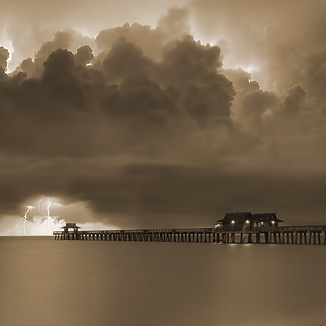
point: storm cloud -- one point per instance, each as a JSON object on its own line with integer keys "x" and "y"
{"x": 154, "y": 128}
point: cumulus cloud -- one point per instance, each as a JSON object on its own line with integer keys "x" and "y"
{"x": 121, "y": 102}
{"x": 4, "y": 56}
{"x": 152, "y": 127}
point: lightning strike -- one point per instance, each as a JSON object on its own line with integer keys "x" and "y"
{"x": 24, "y": 218}
{"x": 38, "y": 204}
{"x": 29, "y": 209}
{"x": 47, "y": 218}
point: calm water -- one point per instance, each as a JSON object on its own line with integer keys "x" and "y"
{"x": 45, "y": 282}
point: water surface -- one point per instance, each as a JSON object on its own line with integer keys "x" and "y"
{"x": 45, "y": 282}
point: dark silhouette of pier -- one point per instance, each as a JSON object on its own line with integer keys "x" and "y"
{"x": 233, "y": 234}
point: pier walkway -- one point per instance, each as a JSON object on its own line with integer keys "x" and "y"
{"x": 280, "y": 234}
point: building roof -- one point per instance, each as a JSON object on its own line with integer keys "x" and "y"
{"x": 237, "y": 217}
{"x": 265, "y": 216}
{"x": 70, "y": 225}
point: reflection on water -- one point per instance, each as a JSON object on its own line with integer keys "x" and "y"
{"x": 45, "y": 282}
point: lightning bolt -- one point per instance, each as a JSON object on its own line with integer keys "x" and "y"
{"x": 37, "y": 205}
{"x": 48, "y": 216}
{"x": 24, "y": 218}
{"x": 29, "y": 209}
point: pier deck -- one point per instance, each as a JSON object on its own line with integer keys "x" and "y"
{"x": 280, "y": 234}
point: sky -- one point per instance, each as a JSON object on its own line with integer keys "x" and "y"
{"x": 151, "y": 114}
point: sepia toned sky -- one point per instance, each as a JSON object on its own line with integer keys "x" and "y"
{"x": 162, "y": 114}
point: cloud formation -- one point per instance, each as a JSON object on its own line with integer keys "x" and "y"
{"x": 4, "y": 56}
{"x": 152, "y": 127}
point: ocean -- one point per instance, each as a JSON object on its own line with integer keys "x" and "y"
{"x": 59, "y": 283}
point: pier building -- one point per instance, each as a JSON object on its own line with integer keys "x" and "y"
{"x": 248, "y": 220}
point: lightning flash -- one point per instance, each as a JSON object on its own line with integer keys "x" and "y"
{"x": 47, "y": 218}
{"x": 24, "y": 218}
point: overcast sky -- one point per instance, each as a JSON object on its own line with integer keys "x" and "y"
{"x": 146, "y": 113}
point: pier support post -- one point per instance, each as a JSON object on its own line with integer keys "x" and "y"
{"x": 267, "y": 237}
{"x": 233, "y": 237}
{"x": 257, "y": 237}
{"x": 282, "y": 237}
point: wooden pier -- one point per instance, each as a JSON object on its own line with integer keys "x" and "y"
{"x": 278, "y": 235}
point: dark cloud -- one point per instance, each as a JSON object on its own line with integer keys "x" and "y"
{"x": 169, "y": 27}
{"x": 313, "y": 77}
{"x": 84, "y": 55}
{"x": 68, "y": 39}
{"x": 125, "y": 60}
{"x": 126, "y": 101}
{"x": 164, "y": 195}
{"x": 4, "y": 56}
{"x": 293, "y": 102}
{"x": 148, "y": 127}
{"x": 122, "y": 104}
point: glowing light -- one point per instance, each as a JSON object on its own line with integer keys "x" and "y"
{"x": 7, "y": 43}
{"x": 273, "y": 222}
{"x": 247, "y": 222}
{"x": 232, "y": 222}
{"x": 249, "y": 69}
{"x": 86, "y": 32}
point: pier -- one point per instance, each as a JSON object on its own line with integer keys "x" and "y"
{"x": 262, "y": 234}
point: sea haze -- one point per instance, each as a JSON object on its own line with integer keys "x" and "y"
{"x": 45, "y": 282}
